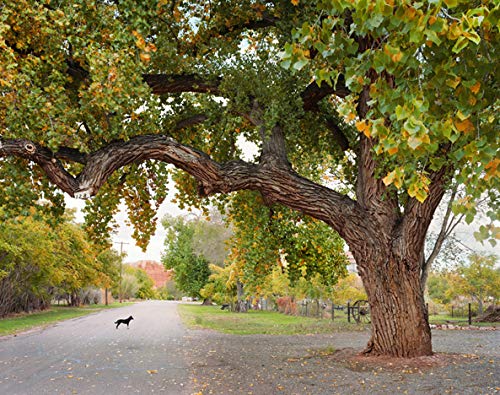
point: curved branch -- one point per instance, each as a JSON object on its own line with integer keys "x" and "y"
{"x": 276, "y": 183}
{"x": 313, "y": 93}
{"x": 266, "y": 20}
{"x": 42, "y": 156}
{"x": 311, "y": 97}
{"x": 338, "y": 134}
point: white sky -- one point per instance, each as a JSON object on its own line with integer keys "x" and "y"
{"x": 124, "y": 231}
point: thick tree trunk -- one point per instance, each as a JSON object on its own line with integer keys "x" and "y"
{"x": 400, "y": 326}
{"x": 207, "y": 302}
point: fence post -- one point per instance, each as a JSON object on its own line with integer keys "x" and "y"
{"x": 333, "y": 311}
{"x": 348, "y": 312}
{"x": 470, "y": 314}
{"x": 451, "y": 311}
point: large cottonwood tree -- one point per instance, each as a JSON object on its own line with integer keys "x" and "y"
{"x": 388, "y": 100}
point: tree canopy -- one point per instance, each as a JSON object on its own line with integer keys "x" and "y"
{"x": 39, "y": 262}
{"x": 364, "y": 113}
{"x": 191, "y": 268}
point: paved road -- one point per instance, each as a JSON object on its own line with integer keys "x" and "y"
{"x": 89, "y": 356}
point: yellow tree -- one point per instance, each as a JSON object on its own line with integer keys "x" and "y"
{"x": 479, "y": 280}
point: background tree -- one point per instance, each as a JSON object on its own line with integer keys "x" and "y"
{"x": 210, "y": 238}
{"x": 40, "y": 261}
{"x": 146, "y": 285}
{"x": 77, "y": 263}
{"x": 443, "y": 248}
{"x": 27, "y": 267}
{"x": 401, "y": 96}
{"x": 349, "y": 289}
{"x": 110, "y": 262}
{"x": 129, "y": 287}
{"x": 480, "y": 280}
{"x": 136, "y": 283}
{"x": 191, "y": 270}
{"x": 439, "y": 286}
{"x": 221, "y": 286}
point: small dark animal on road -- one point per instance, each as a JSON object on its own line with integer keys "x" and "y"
{"x": 123, "y": 321}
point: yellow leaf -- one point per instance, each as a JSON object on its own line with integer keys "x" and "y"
{"x": 410, "y": 13}
{"x": 154, "y": 371}
{"x": 362, "y": 126}
{"x": 397, "y": 57}
{"x": 145, "y": 57}
{"x": 492, "y": 169}
{"x": 414, "y": 142}
{"x": 295, "y": 2}
{"x": 465, "y": 126}
{"x": 398, "y": 182}
{"x": 421, "y": 196}
{"x": 392, "y": 150}
{"x": 389, "y": 178}
{"x": 475, "y": 88}
{"x": 461, "y": 115}
{"x": 453, "y": 83}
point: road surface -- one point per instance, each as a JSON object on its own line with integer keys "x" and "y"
{"x": 158, "y": 355}
{"x": 88, "y": 355}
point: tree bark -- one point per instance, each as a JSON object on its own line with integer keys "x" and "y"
{"x": 398, "y": 315}
{"x": 241, "y": 305}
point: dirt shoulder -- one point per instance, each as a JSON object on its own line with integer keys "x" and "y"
{"x": 466, "y": 363}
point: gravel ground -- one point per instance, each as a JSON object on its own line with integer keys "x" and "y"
{"x": 466, "y": 363}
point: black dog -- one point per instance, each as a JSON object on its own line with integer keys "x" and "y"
{"x": 124, "y": 321}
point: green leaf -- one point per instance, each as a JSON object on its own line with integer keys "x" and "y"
{"x": 460, "y": 44}
{"x": 299, "y": 64}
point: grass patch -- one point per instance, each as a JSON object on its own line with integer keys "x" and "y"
{"x": 25, "y": 321}
{"x": 257, "y": 322}
{"x": 462, "y": 321}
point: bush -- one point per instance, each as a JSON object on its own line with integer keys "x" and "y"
{"x": 286, "y": 305}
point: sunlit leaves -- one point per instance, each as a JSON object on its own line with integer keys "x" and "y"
{"x": 191, "y": 269}
{"x": 38, "y": 260}
{"x": 268, "y": 238}
{"x": 422, "y": 97}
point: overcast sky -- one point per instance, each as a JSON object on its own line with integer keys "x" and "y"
{"x": 124, "y": 231}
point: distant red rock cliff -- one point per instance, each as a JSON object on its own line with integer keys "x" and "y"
{"x": 156, "y": 271}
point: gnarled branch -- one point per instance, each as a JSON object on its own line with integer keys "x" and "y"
{"x": 277, "y": 183}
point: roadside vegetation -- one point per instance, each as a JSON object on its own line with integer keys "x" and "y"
{"x": 258, "y": 322}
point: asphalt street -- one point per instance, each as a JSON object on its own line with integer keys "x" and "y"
{"x": 159, "y": 355}
{"x": 88, "y": 355}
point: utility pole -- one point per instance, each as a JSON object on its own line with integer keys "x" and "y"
{"x": 120, "y": 290}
